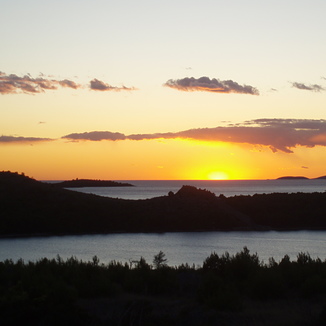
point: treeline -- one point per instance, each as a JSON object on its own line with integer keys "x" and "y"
{"x": 225, "y": 290}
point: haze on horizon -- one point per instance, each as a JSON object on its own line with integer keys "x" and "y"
{"x": 173, "y": 90}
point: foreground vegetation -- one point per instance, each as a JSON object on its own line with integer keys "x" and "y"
{"x": 225, "y": 290}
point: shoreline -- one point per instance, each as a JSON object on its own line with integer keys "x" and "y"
{"x": 48, "y": 235}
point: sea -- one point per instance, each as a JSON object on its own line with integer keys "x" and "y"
{"x": 144, "y": 189}
{"x": 180, "y": 247}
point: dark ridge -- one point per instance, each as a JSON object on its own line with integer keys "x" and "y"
{"x": 292, "y": 178}
{"x": 322, "y": 177}
{"x": 191, "y": 191}
{"x": 29, "y": 207}
{"x": 79, "y": 183}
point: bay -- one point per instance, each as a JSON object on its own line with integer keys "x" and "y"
{"x": 183, "y": 247}
{"x": 144, "y": 189}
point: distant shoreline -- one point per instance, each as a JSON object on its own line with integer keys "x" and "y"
{"x": 300, "y": 178}
{"x": 81, "y": 183}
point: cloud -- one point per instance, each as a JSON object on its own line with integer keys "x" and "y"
{"x": 206, "y": 84}
{"x": 277, "y": 134}
{"x": 98, "y": 85}
{"x": 14, "y": 139}
{"x": 314, "y": 88}
{"x": 69, "y": 83}
{"x": 96, "y": 136}
{"x": 11, "y": 84}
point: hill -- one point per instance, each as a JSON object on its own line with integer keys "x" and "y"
{"x": 30, "y": 207}
{"x": 322, "y": 177}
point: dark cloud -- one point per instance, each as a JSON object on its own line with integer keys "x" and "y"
{"x": 14, "y": 139}
{"x": 277, "y": 134}
{"x": 10, "y": 84}
{"x": 314, "y": 88}
{"x": 96, "y": 136}
{"x": 98, "y": 85}
{"x": 206, "y": 84}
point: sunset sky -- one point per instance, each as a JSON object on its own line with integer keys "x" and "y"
{"x": 128, "y": 90}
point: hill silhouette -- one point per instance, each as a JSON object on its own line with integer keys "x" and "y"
{"x": 30, "y": 207}
{"x": 290, "y": 177}
{"x": 293, "y": 178}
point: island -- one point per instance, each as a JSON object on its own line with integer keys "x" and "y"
{"x": 300, "y": 178}
{"x": 80, "y": 183}
{"x": 292, "y": 178}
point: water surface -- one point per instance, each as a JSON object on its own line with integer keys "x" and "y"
{"x": 184, "y": 247}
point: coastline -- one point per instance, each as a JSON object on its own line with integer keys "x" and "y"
{"x": 33, "y": 208}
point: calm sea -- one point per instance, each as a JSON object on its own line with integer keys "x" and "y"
{"x": 182, "y": 247}
{"x": 155, "y": 188}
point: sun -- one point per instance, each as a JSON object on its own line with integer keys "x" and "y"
{"x": 218, "y": 175}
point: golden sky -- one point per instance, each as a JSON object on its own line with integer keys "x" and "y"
{"x": 172, "y": 90}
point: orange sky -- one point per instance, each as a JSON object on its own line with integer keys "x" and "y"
{"x": 157, "y": 159}
{"x": 162, "y": 90}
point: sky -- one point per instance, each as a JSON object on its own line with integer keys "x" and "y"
{"x": 140, "y": 90}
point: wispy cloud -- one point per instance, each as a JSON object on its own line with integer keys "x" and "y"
{"x": 12, "y": 83}
{"x": 96, "y": 136}
{"x": 314, "y": 88}
{"x": 214, "y": 85}
{"x": 277, "y": 134}
{"x": 15, "y": 139}
{"x": 98, "y": 85}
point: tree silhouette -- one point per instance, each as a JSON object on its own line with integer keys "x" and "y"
{"x": 159, "y": 260}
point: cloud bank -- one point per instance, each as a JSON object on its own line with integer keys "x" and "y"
{"x": 14, "y": 139}
{"x": 206, "y": 84}
{"x": 277, "y": 134}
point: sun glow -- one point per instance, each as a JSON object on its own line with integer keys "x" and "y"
{"x": 218, "y": 175}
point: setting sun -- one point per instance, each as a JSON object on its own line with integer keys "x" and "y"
{"x": 218, "y": 175}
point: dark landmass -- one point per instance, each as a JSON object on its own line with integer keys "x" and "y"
{"x": 292, "y": 178}
{"x": 300, "y": 178}
{"x": 226, "y": 290}
{"x": 29, "y": 208}
{"x": 322, "y": 177}
{"x": 79, "y": 183}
